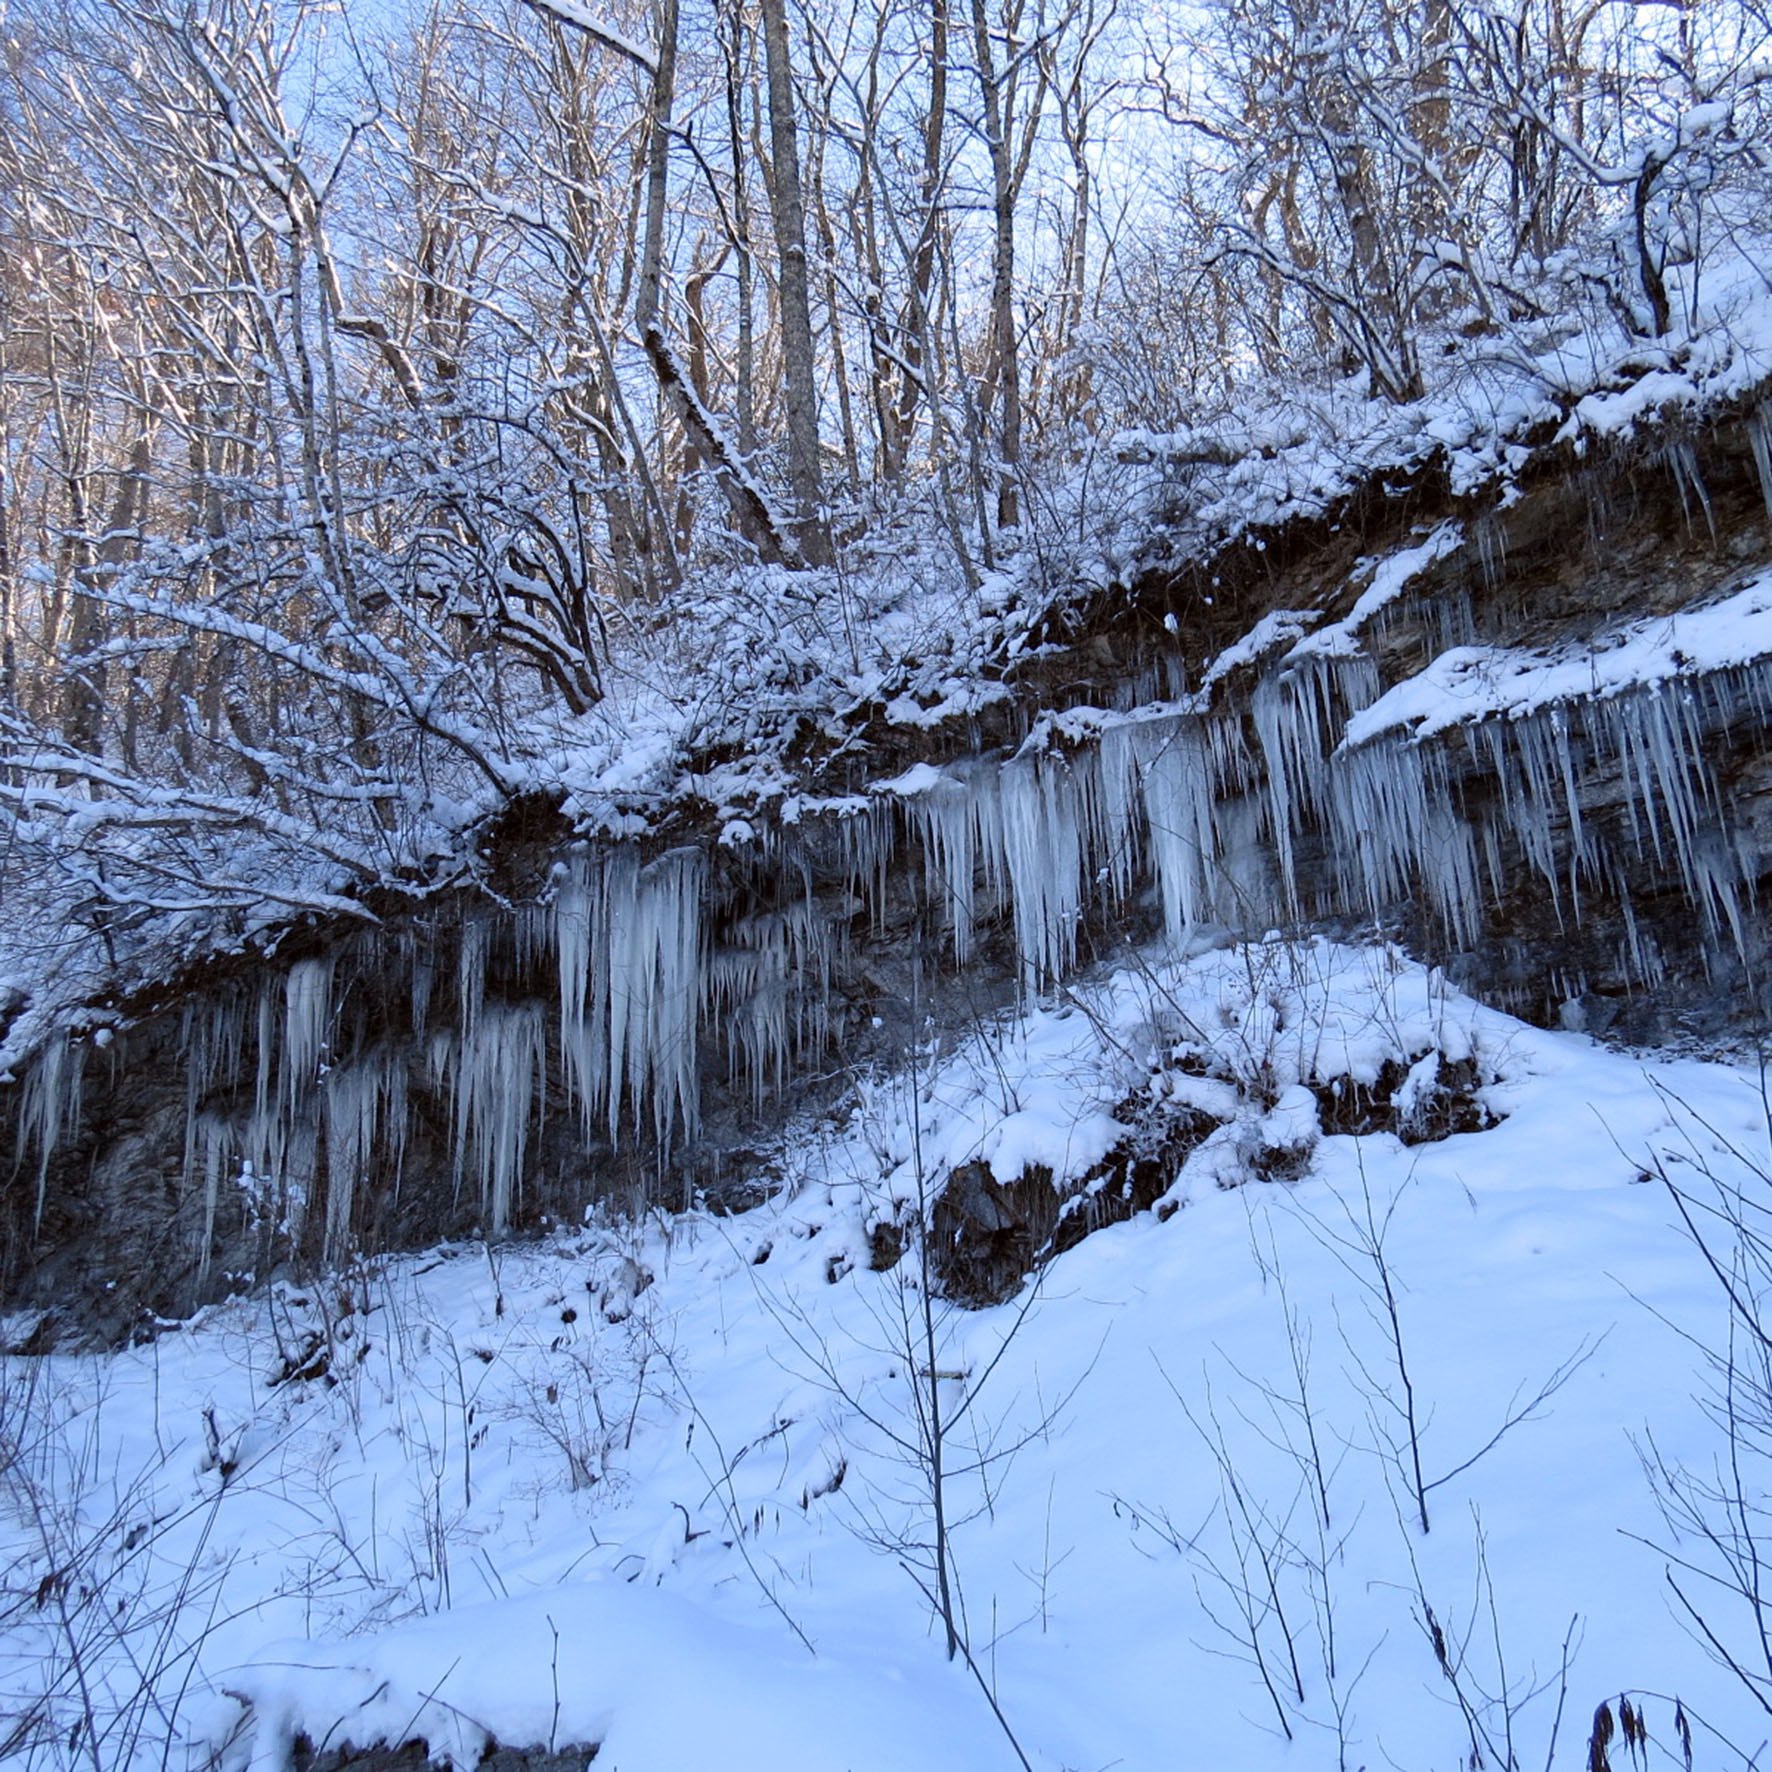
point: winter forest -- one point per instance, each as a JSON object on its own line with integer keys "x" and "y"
{"x": 882, "y": 884}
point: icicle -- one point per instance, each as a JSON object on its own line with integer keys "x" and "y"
{"x": 767, "y": 990}
{"x": 307, "y": 1014}
{"x": 265, "y": 1147}
{"x": 1490, "y": 535}
{"x": 49, "y": 1106}
{"x": 631, "y": 974}
{"x": 633, "y": 989}
{"x": 1243, "y": 883}
{"x": 423, "y": 976}
{"x": 1640, "y": 949}
{"x": 867, "y": 840}
{"x": 300, "y": 1153}
{"x": 1399, "y": 830}
{"x": 1682, "y": 462}
{"x": 265, "y": 1040}
{"x": 493, "y": 1073}
{"x": 1052, "y": 832}
{"x": 1278, "y": 715}
{"x": 1294, "y": 715}
{"x": 365, "y": 1104}
{"x": 215, "y": 1139}
{"x": 1179, "y": 794}
{"x": 1759, "y": 436}
{"x": 666, "y": 975}
{"x": 1205, "y": 833}
{"x": 627, "y": 945}
{"x": 748, "y": 1000}
{"x": 945, "y": 818}
{"x": 1121, "y": 807}
{"x": 1380, "y": 811}
{"x": 1394, "y": 805}
{"x": 1535, "y": 800}
{"x": 576, "y": 925}
{"x": 1042, "y": 811}
{"x": 470, "y": 971}
{"x": 535, "y": 933}
{"x": 1658, "y": 737}
{"x": 214, "y": 1052}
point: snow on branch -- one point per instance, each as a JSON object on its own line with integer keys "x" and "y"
{"x": 393, "y": 686}
{"x": 581, "y": 18}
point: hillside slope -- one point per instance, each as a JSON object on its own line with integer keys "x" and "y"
{"x": 1487, "y": 674}
{"x": 665, "y": 1489}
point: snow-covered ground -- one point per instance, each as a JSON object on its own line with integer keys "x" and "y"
{"x": 667, "y": 1488}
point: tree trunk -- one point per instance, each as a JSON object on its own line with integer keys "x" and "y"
{"x": 799, "y": 369}
{"x": 1004, "y": 376}
{"x": 755, "y": 521}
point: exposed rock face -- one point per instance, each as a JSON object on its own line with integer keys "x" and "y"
{"x": 987, "y": 1235}
{"x": 1531, "y": 741}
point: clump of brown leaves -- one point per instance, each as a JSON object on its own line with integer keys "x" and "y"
{"x": 1631, "y": 1727}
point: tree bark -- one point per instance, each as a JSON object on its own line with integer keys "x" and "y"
{"x": 799, "y": 368}
{"x": 1004, "y": 377}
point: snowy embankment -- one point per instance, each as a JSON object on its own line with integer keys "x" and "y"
{"x": 741, "y": 712}
{"x": 667, "y": 1489}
